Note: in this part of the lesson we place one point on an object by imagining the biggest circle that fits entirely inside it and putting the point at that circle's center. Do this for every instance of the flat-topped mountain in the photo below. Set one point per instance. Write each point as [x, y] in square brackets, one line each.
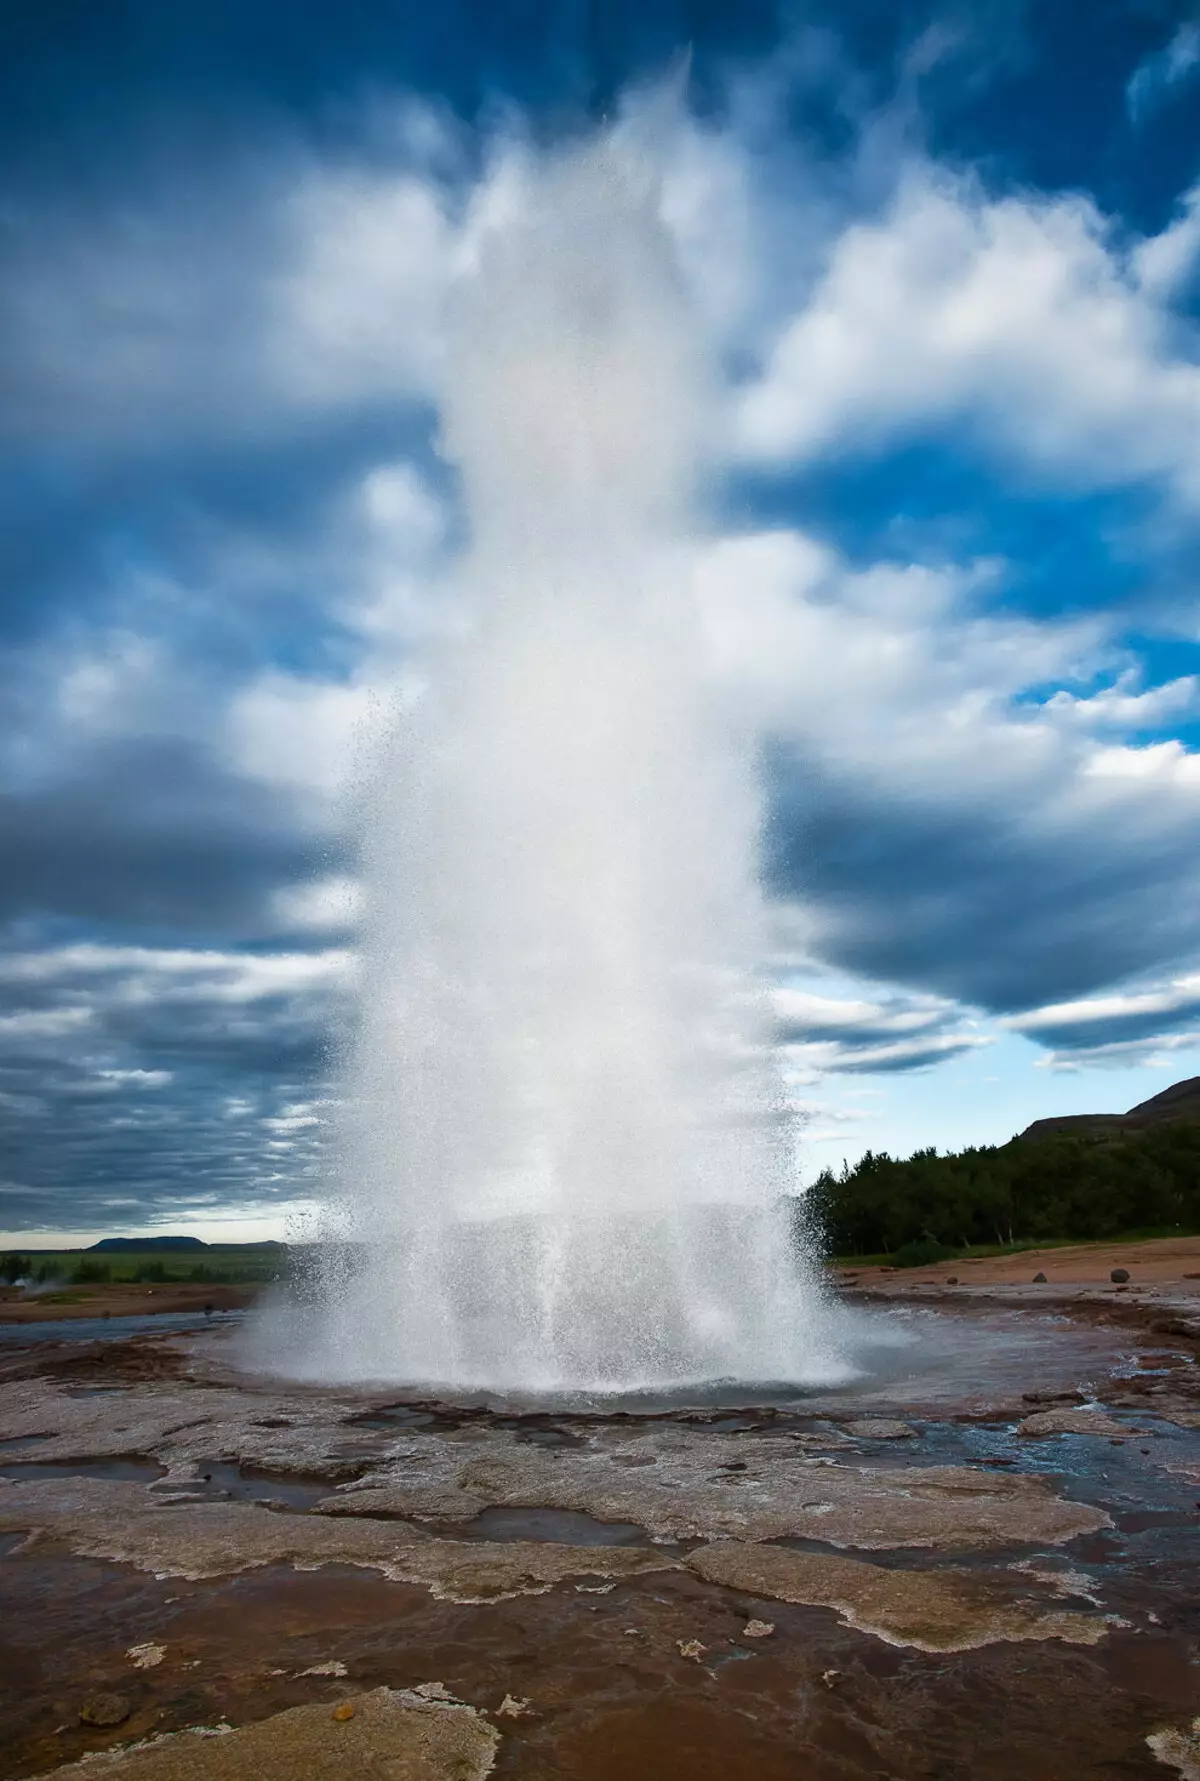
[164, 1243]
[1177, 1105]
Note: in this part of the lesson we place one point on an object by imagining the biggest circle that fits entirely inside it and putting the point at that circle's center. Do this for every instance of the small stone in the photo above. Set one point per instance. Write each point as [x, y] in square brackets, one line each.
[831, 1678]
[952, 1280]
[433, 1691]
[342, 1712]
[512, 1708]
[333, 1668]
[691, 1648]
[105, 1709]
[146, 1657]
[1119, 1276]
[1040, 1280]
[758, 1629]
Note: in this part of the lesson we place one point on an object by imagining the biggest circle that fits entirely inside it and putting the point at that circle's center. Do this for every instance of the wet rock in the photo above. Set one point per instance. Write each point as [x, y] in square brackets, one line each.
[99, 1519]
[1071, 1422]
[1179, 1749]
[758, 1629]
[678, 1497]
[386, 1735]
[879, 1428]
[1119, 1276]
[691, 1648]
[147, 1656]
[1040, 1280]
[943, 1610]
[104, 1709]
[513, 1708]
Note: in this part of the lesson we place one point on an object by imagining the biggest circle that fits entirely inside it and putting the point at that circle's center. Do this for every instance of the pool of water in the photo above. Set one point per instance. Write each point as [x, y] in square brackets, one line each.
[110, 1329]
[909, 1358]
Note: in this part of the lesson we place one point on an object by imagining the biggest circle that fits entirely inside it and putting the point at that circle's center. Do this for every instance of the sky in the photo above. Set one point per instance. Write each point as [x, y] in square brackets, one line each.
[946, 261]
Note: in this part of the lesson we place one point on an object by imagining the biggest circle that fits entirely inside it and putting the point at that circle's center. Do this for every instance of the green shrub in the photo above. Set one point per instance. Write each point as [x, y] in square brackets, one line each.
[89, 1273]
[921, 1252]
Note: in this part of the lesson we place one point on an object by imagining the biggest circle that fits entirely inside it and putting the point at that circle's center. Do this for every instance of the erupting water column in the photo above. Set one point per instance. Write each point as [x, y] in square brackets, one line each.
[568, 1145]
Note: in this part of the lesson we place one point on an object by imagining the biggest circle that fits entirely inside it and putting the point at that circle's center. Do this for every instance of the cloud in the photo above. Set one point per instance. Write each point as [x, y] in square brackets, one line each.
[1020, 319]
[147, 1084]
[822, 1034]
[1120, 1026]
[939, 827]
[1155, 80]
[328, 291]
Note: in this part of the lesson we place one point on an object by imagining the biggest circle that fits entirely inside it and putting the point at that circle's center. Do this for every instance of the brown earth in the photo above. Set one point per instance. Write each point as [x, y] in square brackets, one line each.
[122, 1299]
[1165, 1261]
[150, 1553]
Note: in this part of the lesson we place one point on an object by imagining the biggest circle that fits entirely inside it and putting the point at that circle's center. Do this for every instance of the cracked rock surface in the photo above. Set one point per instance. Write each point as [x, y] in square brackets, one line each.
[391, 1735]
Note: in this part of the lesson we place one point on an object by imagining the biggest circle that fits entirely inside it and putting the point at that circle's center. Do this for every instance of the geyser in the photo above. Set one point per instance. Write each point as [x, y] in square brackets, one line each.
[567, 1150]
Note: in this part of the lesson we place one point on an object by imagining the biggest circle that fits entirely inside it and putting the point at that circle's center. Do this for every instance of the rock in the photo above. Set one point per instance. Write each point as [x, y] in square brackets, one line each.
[831, 1678]
[1071, 1422]
[758, 1629]
[1040, 1280]
[146, 1657]
[1119, 1276]
[880, 1428]
[342, 1712]
[105, 1709]
[930, 1610]
[691, 1648]
[512, 1708]
[952, 1280]
[1179, 1749]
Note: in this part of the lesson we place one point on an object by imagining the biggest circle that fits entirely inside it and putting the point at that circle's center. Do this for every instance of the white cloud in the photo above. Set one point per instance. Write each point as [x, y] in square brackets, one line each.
[1155, 78]
[299, 732]
[1122, 706]
[1021, 316]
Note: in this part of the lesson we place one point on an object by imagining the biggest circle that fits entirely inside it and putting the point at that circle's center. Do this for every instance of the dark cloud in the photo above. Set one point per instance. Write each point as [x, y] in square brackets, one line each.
[991, 905]
[150, 834]
[140, 1084]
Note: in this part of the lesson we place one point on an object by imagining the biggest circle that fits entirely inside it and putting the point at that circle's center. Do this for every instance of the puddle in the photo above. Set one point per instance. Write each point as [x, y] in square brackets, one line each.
[563, 1527]
[18, 1443]
[110, 1329]
[127, 1471]
[392, 1416]
[244, 1484]
[540, 1434]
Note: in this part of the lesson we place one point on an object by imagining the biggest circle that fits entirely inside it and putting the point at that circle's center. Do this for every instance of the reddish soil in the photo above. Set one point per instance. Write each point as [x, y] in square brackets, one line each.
[122, 1299]
[1166, 1261]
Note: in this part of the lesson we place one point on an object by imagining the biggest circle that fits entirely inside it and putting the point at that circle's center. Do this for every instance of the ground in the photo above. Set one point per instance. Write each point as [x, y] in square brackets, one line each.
[981, 1563]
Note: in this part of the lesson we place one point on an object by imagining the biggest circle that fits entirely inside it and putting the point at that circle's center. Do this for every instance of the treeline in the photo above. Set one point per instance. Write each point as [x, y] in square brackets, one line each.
[1024, 1191]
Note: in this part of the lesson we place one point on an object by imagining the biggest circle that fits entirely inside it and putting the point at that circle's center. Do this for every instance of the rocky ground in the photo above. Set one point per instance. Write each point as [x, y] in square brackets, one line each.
[984, 1565]
[122, 1298]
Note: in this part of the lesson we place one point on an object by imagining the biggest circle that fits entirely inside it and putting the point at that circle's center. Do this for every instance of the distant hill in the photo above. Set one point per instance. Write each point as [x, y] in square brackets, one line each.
[1177, 1105]
[142, 1243]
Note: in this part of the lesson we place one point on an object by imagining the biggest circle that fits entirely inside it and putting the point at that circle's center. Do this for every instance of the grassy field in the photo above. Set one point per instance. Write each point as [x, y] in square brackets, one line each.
[228, 1264]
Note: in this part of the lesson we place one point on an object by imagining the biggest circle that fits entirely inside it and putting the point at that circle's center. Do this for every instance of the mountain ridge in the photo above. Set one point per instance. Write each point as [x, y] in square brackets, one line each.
[1177, 1105]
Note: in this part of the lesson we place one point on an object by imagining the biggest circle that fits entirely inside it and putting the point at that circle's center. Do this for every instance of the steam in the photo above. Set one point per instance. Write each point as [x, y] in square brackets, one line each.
[567, 1157]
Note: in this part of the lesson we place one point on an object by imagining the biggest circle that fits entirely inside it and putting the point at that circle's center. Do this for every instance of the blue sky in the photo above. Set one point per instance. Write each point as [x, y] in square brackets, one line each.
[948, 263]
